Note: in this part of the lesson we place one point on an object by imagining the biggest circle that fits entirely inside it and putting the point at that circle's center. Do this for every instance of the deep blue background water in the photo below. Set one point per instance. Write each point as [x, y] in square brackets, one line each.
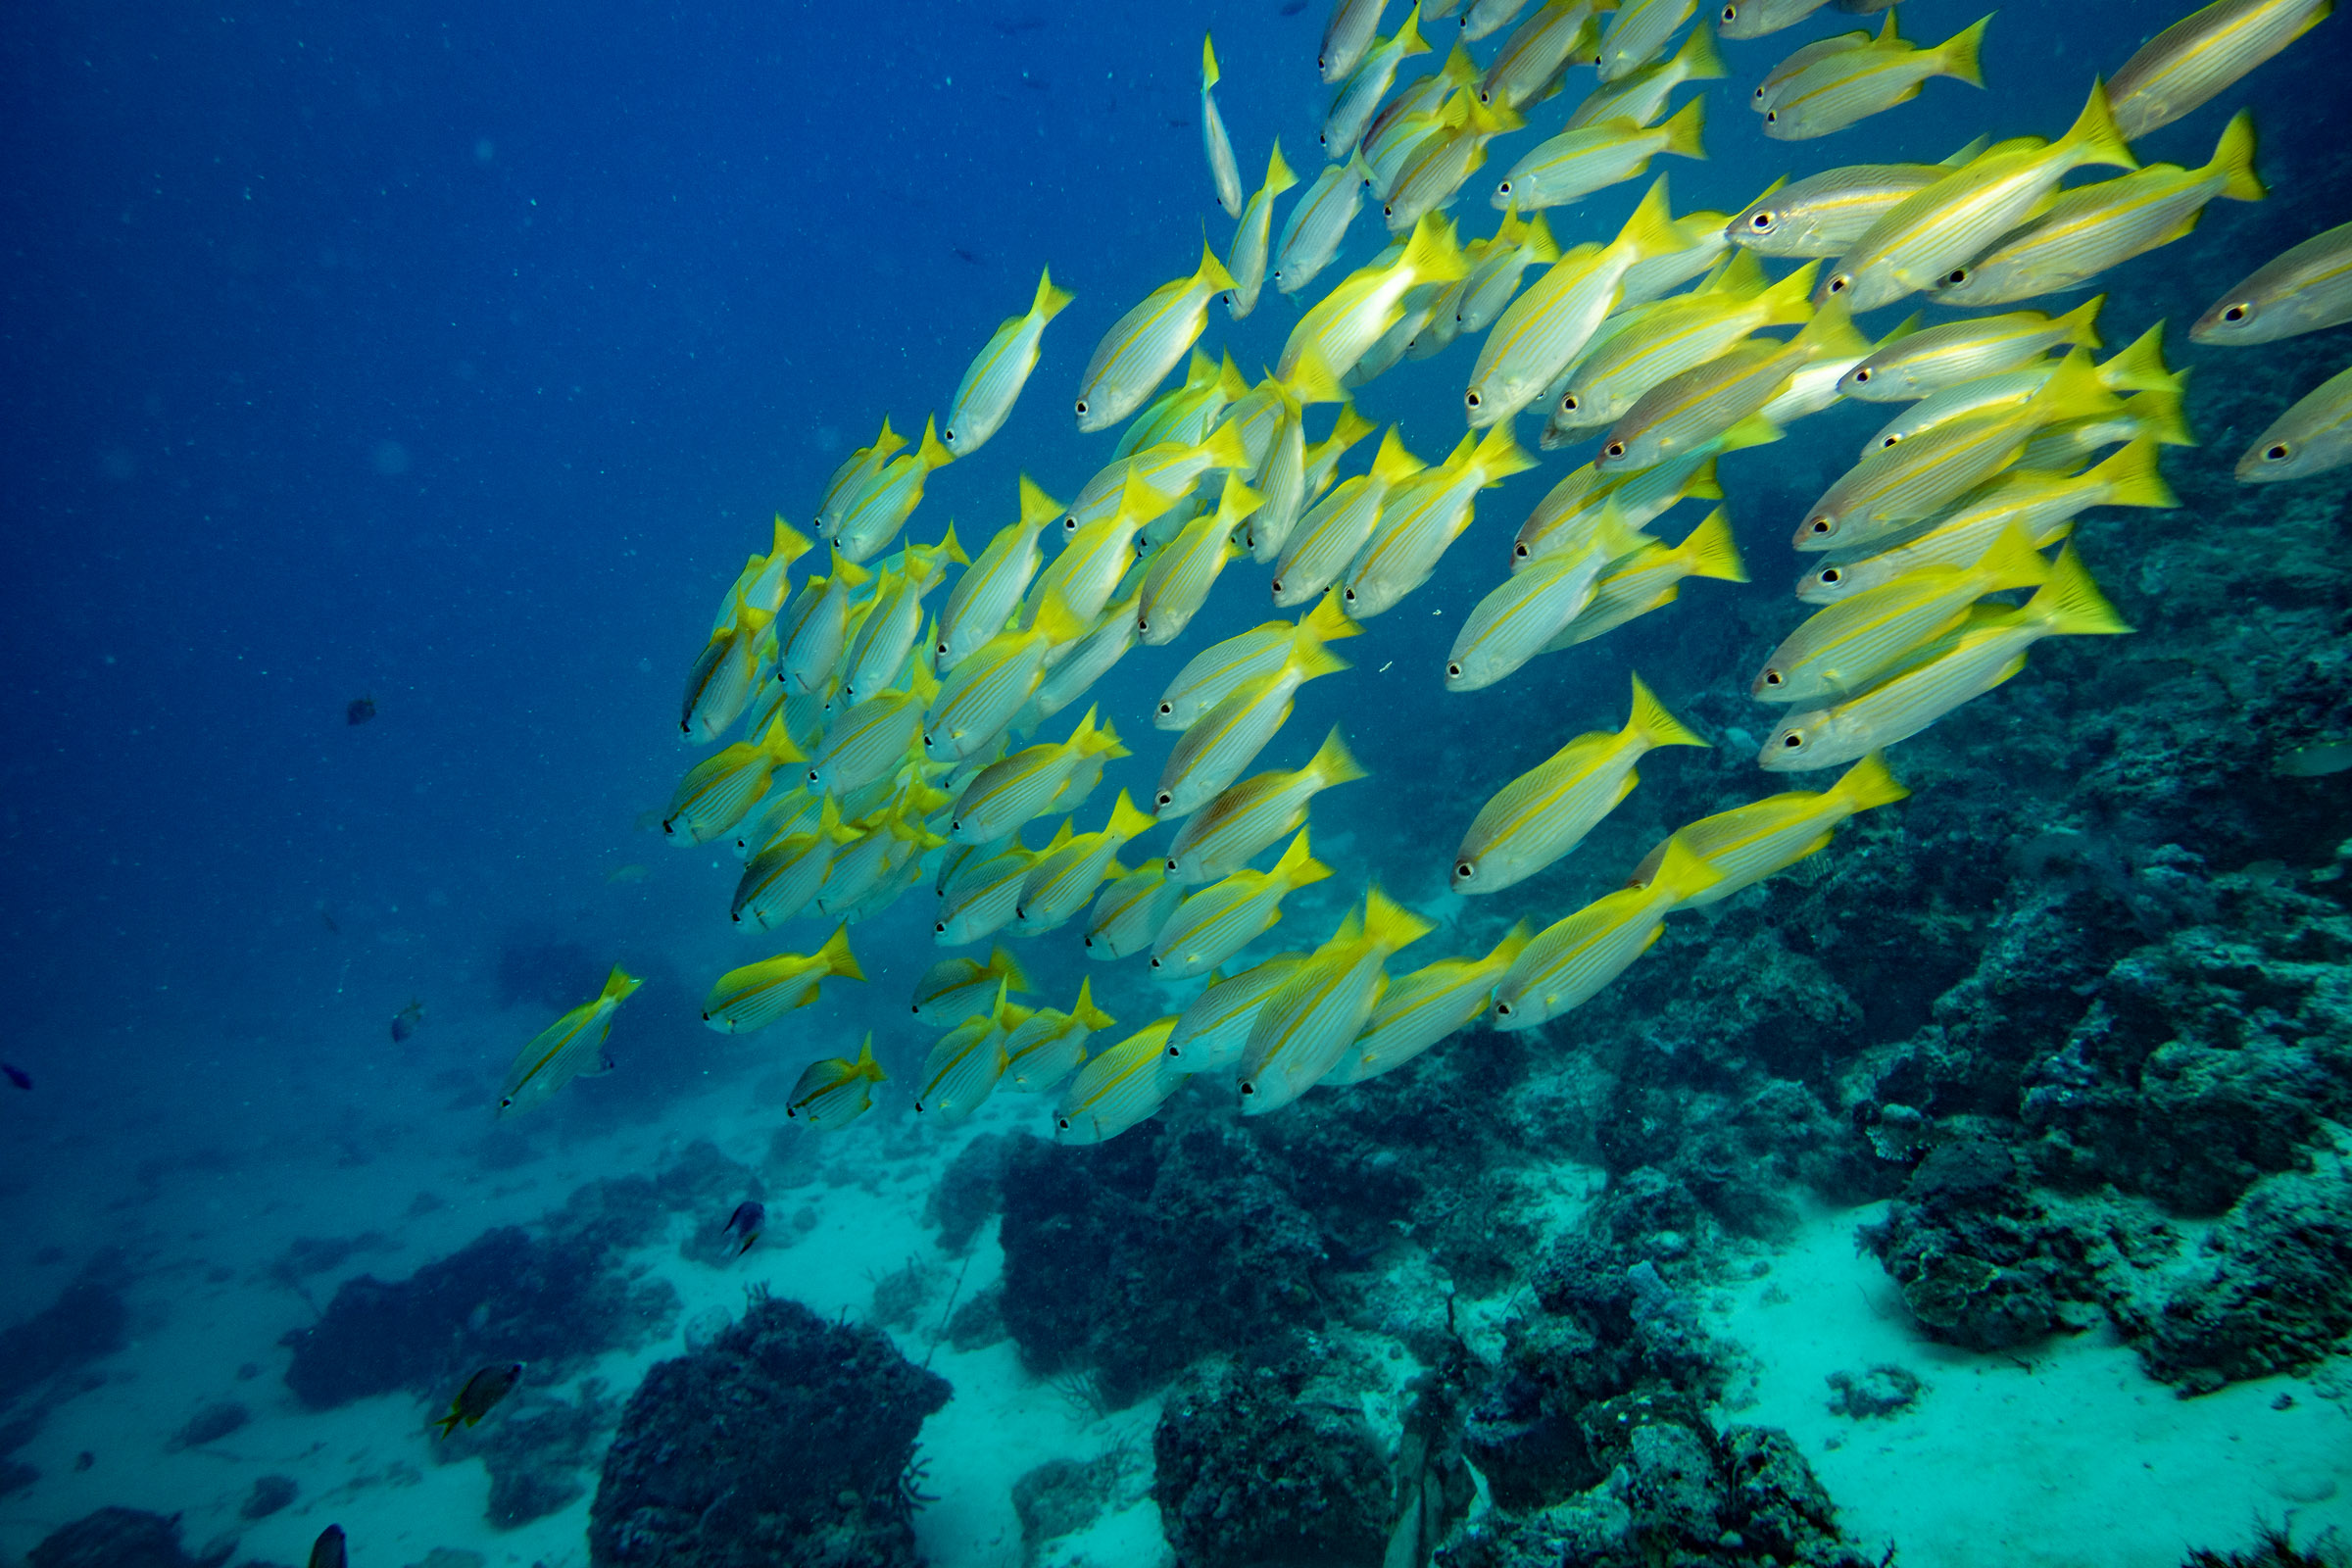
[459, 359]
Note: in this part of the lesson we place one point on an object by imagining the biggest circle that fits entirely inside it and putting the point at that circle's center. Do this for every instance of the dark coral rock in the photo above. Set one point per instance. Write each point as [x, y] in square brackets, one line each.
[968, 1195]
[783, 1444]
[2274, 1548]
[1248, 1474]
[211, 1424]
[121, 1538]
[270, 1495]
[1882, 1391]
[1062, 1496]
[536, 1453]
[1137, 1257]
[87, 1320]
[2277, 1295]
[1965, 1244]
[15, 1476]
[505, 1297]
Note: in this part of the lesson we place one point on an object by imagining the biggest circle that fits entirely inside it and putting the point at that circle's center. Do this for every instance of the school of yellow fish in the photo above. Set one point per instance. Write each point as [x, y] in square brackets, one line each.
[888, 742]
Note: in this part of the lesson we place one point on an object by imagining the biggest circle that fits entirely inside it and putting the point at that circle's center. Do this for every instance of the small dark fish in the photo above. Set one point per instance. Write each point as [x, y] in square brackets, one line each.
[962, 255]
[328, 1550]
[406, 1020]
[16, 1075]
[327, 920]
[747, 1219]
[359, 711]
[1294, 7]
[480, 1396]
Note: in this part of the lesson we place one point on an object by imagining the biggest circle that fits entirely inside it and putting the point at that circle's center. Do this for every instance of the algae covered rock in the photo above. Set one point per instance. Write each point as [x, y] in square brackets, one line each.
[784, 1443]
[2274, 1294]
[1248, 1473]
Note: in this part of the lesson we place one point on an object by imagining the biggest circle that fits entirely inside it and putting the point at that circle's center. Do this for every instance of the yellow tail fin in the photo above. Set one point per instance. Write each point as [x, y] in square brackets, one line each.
[1333, 763]
[1499, 455]
[1683, 872]
[1050, 300]
[2158, 411]
[1407, 39]
[837, 957]
[1327, 623]
[1740, 276]
[2095, 138]
[2082, 324]
[1959, 53]
[2132, 479]
[1297, 867]
[1126, 822]
[2073, 392]
[1389, 925]
[2140, 366]
[1432, 255]
[1514, 942]
[1708, 550]
[1346, 430]
[1788, 302]
[620, 985]
[1392, 463]
[2234, 161]
[1831, 334]
[1682, 130]
[1651, 231]
[1867, 784]
[1009, 970]
[1310, 380]
[1209, 74]
[1279, 176]
[865, 1065]
[1085, 1012]
[1211, 273]
[2070, 604]
[1653, 725]
[1697, 56]
[1056, 623]
[1037, 508]
[2013, 562]
[932, 454]
[1312, 661]
[1702, 484]
[1223, 448]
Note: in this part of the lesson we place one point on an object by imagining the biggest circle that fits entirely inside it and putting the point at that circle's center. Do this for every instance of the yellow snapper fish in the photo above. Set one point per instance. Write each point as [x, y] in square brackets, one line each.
[1265, 523]
[1326, 539]
[1852, 84]
[1570, 961]
[978, 901]
[1221, 668]
[1419, 1009]
[835, 1092]
[891, 838]
[763, 578]
[759, 993]
[2305, 288]
[1118, 1088]
[1576, 163]
[1826, 213]
[1757, 19]
[1529, 63]
[720, 686]
[2138, 368]
[1516, 245]
[1085, 661]
[1212, 1033]
[877, 515]
[1641, 96]
[572, 1046]
[1047, 1046]
[1143, 346]
[1764, 838]
[1571, 508]
[1246, 260]
[1908, 482]
[993, 384]
[879, 651]
[1348, 320]
[812, 645]
[1348, 35]
[1720, 404]
[1066, 875]
[1768, 92]
[1306, 1027]
[1435, 169]
[1423, 517]
[991, 589]
[1651, 577]
[1939, 226]
[1522, 614]
[2312, 437]
[1841, 648]
[1983, 655]
[1217, 922]
[1318, 223]
[2155, 413]
[1223, 171]
[961, 1068]
[1352, 108]
[1546, 327]
[1485, 17]
[1638, 33]
[2042, 505]
[851, 479]
[2088, 229]
[1172, 470]
[718, 789]
[1128, 913]
[1181, 575]
[1420, 100]
[956, 989]
[1944, 356]
[1245, 819]
[780, 880]
[1546, 812]
[1212, 752]
[1674, 335]
[1323, 457]
[872, 739]
[1086, 575]
[1032, 782]
[978, 700]
[1397, 135]
[2202, 54]
[1184, 414]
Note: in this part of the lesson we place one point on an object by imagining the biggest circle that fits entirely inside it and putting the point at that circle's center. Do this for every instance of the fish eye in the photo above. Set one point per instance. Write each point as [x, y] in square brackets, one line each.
[2279, 453]
[1069, 525]
[917, 1009]
[1465, 869]
[1615, 449]
[1837, 285]
[1454, 672]
[1730, 13]
[1794, 740]
[1166, 709]
[505, 1100]
[1485, 96]
[1348, 595]
[939, 928]
[1163, 797]
[1831, 576]
[949, 436]
[1472, 397]
[1521, 552]
[1772, 116]
[1773, 677]
[1861, 376]
[1278, 585]
[941, 650]
[1063, 1122]
[1502, 1009]
[1388, 209]
[1249, 1087]
[1172, 863]
[813, 775]
[1955, 277]
[1818, 525]
[1082, 408]
[1090, 942]
[1503, 189]
[1886, 441]
[2236, 312]
[1570, 403]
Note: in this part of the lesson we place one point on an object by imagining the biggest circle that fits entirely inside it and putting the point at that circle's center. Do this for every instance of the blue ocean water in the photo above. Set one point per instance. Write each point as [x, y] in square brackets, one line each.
[456, 361]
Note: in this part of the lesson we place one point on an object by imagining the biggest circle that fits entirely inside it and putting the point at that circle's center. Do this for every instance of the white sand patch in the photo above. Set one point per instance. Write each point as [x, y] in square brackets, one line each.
[2064, 1455]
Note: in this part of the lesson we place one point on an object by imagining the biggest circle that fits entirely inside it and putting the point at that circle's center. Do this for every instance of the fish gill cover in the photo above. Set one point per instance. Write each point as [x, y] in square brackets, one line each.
[2044, 956]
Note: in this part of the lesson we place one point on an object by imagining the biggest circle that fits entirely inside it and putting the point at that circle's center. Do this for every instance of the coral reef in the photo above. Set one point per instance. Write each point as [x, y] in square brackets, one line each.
[786, 1441]
[1250, 1472]
[123, 1537]
[1063, 1496]
[270, 1495]
[2274, 1548]
[971, 1192]
[88, 1319]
